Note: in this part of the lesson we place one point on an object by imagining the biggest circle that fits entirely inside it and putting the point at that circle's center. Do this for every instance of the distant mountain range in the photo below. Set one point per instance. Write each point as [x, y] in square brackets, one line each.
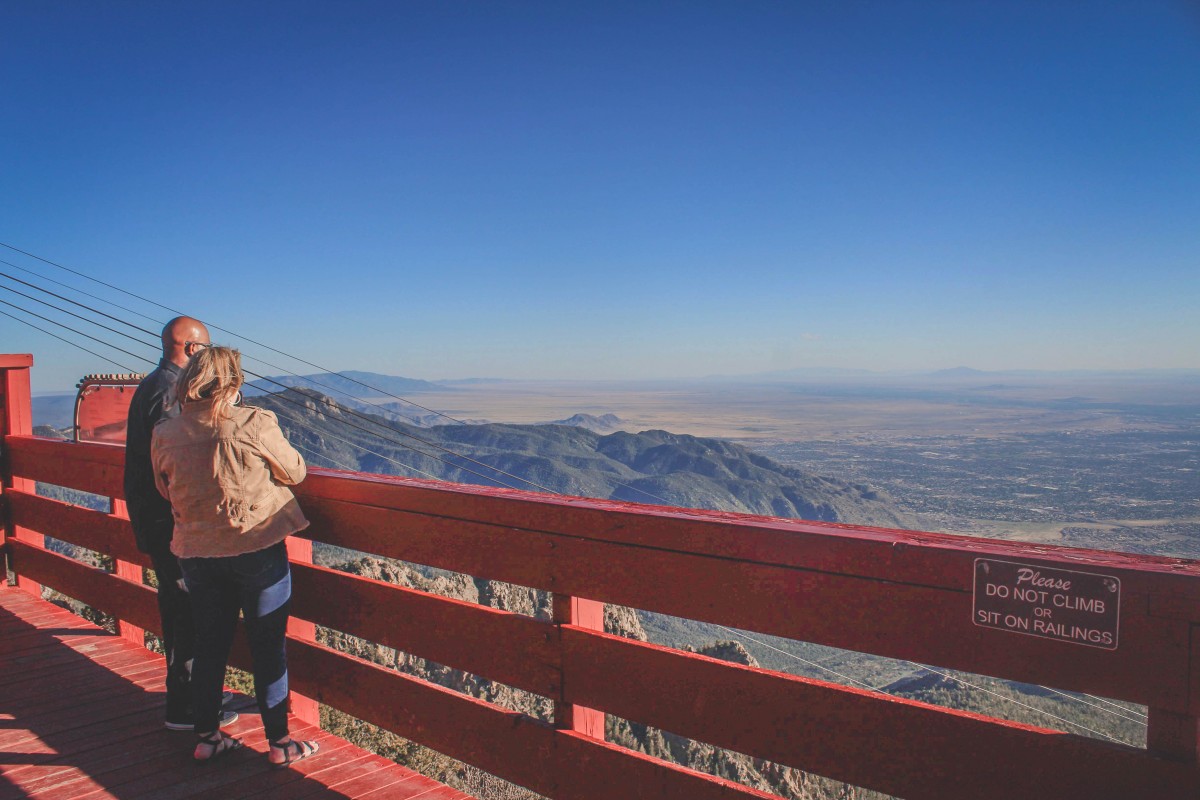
[55, 410]
[954, 373]
[653, 467]
[605, 423]
[362, 385]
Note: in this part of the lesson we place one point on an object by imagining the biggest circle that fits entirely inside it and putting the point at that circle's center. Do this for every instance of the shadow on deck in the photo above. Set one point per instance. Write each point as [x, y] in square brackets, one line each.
[81, 716]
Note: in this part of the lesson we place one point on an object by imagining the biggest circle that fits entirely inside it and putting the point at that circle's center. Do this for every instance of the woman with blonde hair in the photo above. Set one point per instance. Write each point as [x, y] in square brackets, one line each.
[225, 468]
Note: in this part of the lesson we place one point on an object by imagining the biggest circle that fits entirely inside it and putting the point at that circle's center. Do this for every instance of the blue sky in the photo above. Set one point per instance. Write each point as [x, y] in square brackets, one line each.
[618, 190]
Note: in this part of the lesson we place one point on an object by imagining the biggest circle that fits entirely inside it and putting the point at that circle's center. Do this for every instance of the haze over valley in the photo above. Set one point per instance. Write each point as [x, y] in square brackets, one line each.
[1091, 459]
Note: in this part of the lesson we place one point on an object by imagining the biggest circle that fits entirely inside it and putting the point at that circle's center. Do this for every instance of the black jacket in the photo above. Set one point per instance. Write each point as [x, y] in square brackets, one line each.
[149, 512]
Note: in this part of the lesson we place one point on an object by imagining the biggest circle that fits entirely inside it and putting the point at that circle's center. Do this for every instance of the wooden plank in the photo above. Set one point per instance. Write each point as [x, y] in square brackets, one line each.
[147, 775]
[919, 557]
[419, 786]
[350, 774]
[904, 556]
[26, 639]
[92, 762]
[58, 644]
[827, 729]
[441, 793]
[371, 777]
[148, 719]
[334, 755]
[95, 468]
[918, 623]
[15, 360]
[510, 648]
[325, 771]
[31, 664]
[95, 530]
[558, 764]
[64, 714]
[479, 549]
[121, 598]
[926, 625]
[36, 669]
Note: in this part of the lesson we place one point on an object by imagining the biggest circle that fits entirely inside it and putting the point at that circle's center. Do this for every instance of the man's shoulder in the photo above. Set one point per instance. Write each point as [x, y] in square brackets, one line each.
[164, 376]
[152, 390]
[149, 385]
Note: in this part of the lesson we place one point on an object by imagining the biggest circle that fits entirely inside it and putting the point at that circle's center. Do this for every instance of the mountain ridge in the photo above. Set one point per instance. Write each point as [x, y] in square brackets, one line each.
[654, 466]
[352, 383]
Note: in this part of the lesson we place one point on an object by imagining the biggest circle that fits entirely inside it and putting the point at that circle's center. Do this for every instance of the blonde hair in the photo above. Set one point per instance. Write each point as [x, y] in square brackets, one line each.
[213, 373]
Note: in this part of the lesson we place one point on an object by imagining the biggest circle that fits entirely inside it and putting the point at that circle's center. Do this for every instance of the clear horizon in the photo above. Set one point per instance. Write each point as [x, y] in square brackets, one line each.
[626, 191]
[817, 374]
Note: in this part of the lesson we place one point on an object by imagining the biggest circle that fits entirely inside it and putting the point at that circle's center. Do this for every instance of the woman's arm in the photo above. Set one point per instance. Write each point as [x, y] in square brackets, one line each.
[160, 477]
[286, 463]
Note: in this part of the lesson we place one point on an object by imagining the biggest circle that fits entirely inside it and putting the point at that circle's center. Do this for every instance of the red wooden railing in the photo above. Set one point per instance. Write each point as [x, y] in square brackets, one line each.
[894, 593]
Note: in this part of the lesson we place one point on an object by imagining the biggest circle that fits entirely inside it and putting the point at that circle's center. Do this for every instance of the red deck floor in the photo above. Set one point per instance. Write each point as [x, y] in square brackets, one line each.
[81, 717]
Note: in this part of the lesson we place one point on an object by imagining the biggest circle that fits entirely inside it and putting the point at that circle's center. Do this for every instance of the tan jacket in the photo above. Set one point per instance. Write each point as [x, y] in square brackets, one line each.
[227, 484]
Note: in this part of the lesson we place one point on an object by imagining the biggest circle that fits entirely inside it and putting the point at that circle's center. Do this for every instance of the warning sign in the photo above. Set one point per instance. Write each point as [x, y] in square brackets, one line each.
[1076, 607]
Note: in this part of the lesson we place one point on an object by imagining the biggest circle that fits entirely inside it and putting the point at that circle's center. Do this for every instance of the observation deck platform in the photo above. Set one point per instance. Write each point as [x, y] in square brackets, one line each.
[81, 715]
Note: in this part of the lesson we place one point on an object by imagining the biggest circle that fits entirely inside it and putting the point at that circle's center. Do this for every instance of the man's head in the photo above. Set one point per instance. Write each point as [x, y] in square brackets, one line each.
[215, 374]
[181, 338]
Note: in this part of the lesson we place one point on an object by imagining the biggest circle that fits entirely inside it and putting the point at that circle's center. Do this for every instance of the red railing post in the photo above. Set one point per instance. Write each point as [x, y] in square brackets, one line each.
[588, 614]
[129, 571]
[304, 708]
[16, 418]
[1173, 735]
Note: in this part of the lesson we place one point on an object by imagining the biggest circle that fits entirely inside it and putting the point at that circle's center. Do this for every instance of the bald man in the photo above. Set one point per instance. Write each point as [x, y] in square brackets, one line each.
[150, 514]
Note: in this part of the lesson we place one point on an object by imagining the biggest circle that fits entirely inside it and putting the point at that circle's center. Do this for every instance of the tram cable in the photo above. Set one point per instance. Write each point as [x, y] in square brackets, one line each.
[743, 637]
[1120, 706]
[282, 396]
[73, 302]
[77, 290]
[306, 378]
[76, 331]
[300, 422]
[956, 679]
[283, 387]
[68, 341]
[71, 313]
[313, 454]
[1097, 706]
[177, 312]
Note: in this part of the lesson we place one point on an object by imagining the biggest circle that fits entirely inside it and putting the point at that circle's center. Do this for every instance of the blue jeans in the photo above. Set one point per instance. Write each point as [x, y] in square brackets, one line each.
[259, 584]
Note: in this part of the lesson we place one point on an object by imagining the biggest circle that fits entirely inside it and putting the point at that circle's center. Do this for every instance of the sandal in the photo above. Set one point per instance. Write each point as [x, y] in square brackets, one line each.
[293, 751]
[218, 744]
